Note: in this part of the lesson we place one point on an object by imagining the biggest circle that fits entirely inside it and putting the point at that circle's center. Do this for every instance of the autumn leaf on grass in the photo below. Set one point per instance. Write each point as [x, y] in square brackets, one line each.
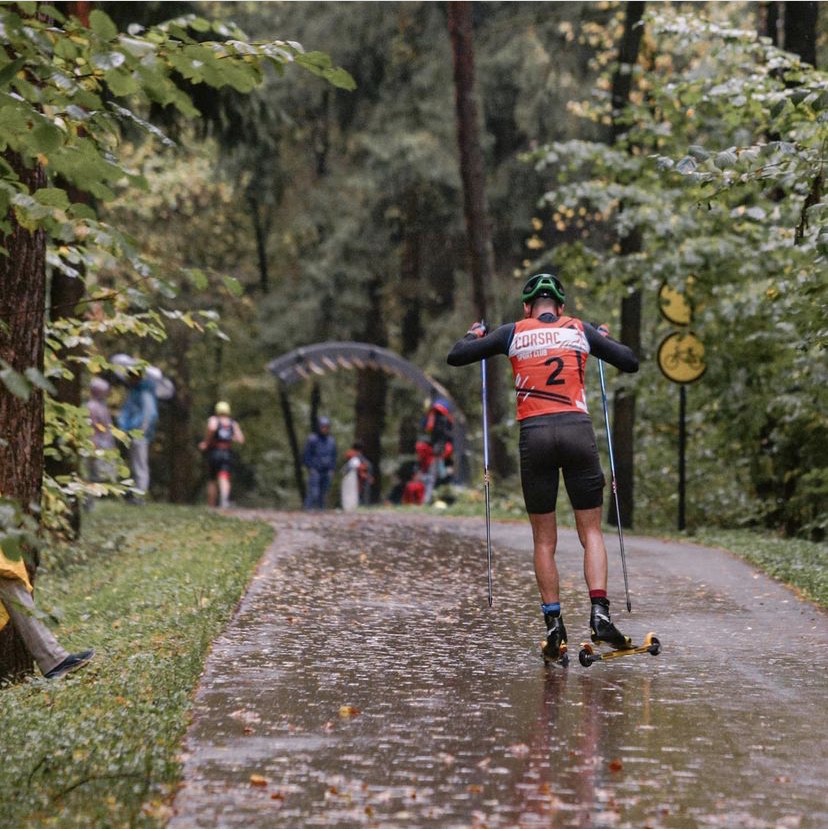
[616, 765]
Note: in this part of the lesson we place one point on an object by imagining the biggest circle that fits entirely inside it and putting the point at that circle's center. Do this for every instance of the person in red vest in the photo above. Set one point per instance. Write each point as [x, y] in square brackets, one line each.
[548, 351]
[434, 447]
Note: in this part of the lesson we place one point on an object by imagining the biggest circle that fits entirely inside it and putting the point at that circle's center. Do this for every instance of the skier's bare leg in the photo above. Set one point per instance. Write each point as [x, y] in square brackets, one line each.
[588, 523]
[545, 539]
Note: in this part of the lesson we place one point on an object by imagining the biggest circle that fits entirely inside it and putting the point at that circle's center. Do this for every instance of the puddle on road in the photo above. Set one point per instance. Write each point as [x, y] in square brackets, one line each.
[386, 693]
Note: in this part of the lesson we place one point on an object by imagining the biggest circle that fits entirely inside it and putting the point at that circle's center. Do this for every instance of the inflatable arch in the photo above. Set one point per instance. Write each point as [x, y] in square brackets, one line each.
[322, 358]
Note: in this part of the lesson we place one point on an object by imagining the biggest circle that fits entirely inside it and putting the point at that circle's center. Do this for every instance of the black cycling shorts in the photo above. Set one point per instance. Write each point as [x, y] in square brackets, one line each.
[565, 441]
[219, 460]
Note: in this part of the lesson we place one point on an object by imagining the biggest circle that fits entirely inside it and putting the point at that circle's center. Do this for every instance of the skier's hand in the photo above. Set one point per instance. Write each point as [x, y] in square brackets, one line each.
[477, 329]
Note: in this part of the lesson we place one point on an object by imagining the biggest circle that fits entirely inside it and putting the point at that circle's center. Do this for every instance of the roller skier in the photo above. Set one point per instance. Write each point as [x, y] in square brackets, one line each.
[548, 352]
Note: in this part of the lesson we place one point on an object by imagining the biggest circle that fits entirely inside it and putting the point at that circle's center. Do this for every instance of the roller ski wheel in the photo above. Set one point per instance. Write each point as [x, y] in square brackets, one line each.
[561, 659]
[589, 654]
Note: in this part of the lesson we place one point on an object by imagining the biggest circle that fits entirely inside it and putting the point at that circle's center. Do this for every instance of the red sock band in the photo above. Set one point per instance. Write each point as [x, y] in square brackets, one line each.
[596, 594]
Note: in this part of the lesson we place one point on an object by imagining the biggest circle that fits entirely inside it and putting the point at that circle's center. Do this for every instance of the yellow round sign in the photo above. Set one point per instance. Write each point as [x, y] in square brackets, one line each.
[681, 357]
[674, 305]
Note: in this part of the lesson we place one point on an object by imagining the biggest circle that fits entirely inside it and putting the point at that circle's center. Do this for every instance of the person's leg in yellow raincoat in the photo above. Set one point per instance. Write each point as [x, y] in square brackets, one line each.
[16, 603]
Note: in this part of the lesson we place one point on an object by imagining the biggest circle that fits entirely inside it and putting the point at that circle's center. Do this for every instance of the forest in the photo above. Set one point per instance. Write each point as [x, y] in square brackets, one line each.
[209, 186]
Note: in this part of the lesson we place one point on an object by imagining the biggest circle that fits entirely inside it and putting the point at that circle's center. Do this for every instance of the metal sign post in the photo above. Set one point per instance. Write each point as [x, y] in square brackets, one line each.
[681, 360]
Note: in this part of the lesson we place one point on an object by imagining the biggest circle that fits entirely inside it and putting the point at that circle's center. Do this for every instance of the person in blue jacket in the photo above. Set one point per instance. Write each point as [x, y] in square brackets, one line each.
[319, 457]
[139, 413]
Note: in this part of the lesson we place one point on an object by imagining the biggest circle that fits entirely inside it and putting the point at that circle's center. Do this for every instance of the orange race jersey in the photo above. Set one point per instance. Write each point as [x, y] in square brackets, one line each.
[548, 360]
[548, 355]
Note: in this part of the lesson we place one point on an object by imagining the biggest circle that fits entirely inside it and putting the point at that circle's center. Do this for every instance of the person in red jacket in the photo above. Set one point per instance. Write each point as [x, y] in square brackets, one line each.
[548, 351]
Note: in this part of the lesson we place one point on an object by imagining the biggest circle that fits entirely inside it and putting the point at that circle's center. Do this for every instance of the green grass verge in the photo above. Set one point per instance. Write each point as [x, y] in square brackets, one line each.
[149, 588]
[799, 563]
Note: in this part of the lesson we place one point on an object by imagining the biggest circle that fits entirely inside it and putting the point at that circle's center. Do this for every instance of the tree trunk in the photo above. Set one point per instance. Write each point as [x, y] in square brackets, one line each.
[372, 388]
[411, 329]
[627, 58]
[476, 209]
[769, 21]
[801, 30]
[623, 425]
[182, 459]
[260, 230]
[22, 303]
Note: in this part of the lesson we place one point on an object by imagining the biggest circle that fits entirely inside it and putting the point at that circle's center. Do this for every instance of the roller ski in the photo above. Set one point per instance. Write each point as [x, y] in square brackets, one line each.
[554, 648]
[604, 631]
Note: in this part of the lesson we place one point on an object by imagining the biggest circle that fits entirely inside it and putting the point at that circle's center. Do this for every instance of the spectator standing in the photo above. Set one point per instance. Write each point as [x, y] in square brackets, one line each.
[139, 416]
[434, 447]
[100, 417]
[319, 457]
[356, 461]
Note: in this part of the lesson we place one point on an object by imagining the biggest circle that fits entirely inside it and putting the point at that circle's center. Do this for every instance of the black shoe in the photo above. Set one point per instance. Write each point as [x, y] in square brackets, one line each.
[602, 627]
[70, 664]
[554, 647]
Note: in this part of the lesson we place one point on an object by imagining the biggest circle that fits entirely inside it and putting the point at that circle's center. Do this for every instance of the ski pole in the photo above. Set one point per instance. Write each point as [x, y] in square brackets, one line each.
[614, 483]
[486, 476]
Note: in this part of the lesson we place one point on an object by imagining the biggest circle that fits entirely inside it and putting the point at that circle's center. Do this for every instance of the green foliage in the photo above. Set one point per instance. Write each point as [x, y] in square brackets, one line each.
[67, 96]
[725, 188]
[101, 748]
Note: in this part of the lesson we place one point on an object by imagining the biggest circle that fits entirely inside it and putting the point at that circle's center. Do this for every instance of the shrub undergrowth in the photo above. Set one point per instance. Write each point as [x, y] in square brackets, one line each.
[149, 588]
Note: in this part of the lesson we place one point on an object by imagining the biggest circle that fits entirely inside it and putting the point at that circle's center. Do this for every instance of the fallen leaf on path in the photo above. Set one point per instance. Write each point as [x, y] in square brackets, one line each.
[348, 711]
[257, 780]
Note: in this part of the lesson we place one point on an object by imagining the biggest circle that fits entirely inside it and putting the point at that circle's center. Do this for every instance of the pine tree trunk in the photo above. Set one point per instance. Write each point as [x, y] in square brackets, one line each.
[623, 426]
[476, 209]
[801, 30]
[22, 303]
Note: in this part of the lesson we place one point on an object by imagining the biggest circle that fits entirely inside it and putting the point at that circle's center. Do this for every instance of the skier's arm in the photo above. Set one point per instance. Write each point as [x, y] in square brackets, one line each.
[473, 348]
[606, 349]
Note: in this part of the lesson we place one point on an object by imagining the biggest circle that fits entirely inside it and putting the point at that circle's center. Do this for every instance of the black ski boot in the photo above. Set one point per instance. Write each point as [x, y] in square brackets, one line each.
[554, 647]
[602, 627]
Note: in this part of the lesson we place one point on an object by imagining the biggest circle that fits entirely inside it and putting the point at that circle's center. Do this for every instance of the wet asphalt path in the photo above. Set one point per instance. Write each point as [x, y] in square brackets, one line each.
[365, 682]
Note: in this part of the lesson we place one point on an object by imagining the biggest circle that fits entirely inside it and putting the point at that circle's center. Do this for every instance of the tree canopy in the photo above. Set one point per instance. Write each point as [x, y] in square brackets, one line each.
[333, 211]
